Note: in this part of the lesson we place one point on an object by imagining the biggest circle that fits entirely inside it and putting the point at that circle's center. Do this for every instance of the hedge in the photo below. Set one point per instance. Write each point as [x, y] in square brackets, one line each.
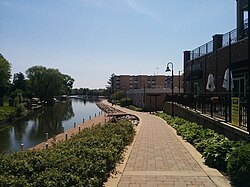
[87, 159]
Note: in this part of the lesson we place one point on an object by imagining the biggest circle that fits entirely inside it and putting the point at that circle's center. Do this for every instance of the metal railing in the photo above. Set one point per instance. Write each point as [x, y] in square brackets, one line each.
[215, 105]
[236, 35]
[225, 38]
[202, 50]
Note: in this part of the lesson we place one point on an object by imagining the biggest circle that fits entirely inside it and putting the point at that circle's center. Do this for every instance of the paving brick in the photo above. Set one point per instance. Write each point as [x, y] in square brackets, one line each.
[160, 158]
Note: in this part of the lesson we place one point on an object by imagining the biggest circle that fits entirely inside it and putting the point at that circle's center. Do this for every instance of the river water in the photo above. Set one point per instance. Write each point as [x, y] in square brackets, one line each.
[51, 120]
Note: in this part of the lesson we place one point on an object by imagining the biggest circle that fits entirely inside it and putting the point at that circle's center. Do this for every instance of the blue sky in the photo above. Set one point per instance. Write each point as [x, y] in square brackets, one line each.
[91, 39]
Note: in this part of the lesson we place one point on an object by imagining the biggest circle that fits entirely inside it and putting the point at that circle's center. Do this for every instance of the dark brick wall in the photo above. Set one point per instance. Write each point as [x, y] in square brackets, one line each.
[216, 63]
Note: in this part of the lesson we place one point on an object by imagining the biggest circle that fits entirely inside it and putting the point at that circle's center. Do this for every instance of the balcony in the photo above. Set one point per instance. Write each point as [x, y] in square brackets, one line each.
[235, 35]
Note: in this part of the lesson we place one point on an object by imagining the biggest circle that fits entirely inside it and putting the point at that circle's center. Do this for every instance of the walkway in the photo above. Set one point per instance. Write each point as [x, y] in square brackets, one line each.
[158, 157]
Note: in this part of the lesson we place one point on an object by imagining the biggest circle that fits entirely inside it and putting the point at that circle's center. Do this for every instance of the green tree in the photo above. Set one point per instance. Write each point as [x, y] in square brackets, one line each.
[5, 74]
[118, 95]
[19, 82]
[67, 84]
[47, 83]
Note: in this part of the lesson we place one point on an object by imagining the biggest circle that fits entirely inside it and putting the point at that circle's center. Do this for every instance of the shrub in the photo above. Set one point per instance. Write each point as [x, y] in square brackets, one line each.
[238, 166]
[209, 139]
[6, 112]
[132, 107]
[20, 109]
[85, 160]
[215, 154]
[217, 150]
[125, 102]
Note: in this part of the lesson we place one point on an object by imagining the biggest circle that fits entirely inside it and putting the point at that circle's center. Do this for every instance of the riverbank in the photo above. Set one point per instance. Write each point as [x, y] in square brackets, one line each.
[108, 113]
[101, 119]
[28, 113]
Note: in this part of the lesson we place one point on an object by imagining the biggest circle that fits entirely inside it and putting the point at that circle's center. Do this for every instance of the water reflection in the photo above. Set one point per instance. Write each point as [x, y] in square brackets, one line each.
[32, 131]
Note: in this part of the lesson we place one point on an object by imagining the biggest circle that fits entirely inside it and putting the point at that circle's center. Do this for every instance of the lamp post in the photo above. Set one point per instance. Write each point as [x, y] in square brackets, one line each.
[167, 70]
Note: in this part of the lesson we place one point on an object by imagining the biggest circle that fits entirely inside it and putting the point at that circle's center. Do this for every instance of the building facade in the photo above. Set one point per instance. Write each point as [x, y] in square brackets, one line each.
[133, 82]
[147, 91]
[224, 51]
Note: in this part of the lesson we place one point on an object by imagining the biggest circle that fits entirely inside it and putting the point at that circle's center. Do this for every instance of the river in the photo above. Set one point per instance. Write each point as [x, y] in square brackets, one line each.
[52, 120]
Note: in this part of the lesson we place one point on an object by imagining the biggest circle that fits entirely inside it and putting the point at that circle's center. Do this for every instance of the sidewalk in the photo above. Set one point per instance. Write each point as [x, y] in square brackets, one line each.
[158, 157]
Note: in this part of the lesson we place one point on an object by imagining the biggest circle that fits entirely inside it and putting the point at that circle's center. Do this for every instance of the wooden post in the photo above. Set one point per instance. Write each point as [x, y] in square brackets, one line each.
[47, 136]
[21, 147]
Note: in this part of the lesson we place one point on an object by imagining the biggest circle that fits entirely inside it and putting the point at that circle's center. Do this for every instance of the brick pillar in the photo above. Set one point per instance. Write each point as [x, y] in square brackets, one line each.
[186, 59]
[217, 41]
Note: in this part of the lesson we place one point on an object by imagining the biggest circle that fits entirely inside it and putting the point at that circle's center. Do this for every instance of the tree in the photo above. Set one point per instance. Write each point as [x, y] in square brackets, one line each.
[110, 85]
[5, 74]
[47, 83]
[67, 84]
[19, 82]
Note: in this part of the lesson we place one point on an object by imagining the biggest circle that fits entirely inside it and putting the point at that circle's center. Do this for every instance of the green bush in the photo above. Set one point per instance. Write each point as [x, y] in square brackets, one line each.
[6, 112]
[217, 150]
[239, 165]
[215, 154]
[209, 139]
[20, 110]
[138, 109]
[85, 160]
[125, 102]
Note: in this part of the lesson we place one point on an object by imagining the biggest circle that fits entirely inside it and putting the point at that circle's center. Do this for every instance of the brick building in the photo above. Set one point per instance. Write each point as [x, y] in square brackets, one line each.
[147, 91]
[229, 50]
[133, 82]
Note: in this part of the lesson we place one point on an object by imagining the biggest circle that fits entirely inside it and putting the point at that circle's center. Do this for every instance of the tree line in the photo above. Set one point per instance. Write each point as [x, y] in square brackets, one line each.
[90, 92]
[41, 82]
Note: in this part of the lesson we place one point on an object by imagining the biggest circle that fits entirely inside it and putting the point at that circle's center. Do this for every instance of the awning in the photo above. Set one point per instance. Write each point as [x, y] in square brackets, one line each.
[194, 75]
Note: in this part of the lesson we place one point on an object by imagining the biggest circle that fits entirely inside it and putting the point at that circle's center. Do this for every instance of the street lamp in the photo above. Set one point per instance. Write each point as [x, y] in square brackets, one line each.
[167, 70]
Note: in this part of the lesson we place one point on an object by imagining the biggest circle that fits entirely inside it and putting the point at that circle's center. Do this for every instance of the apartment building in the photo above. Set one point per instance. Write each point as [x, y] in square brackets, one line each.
[133, 82]
[147, 91]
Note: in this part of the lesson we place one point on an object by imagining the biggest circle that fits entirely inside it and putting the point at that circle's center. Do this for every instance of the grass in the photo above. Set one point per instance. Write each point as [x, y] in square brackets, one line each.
[132, 107]
[6, 111]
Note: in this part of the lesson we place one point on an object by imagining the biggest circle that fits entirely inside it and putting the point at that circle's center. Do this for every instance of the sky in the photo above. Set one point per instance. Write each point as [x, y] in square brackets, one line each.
[92, 39]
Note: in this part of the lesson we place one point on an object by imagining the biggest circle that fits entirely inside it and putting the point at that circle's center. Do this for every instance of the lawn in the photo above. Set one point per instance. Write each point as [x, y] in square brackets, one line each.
[6, 111]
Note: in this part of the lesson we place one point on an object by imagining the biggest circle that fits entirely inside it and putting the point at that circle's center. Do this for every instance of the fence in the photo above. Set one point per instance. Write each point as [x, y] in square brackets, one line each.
[214, 104]
[235, 35]
[202, 50]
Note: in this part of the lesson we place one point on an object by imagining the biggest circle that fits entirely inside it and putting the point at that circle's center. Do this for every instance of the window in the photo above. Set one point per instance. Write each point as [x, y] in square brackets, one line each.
[196, 66]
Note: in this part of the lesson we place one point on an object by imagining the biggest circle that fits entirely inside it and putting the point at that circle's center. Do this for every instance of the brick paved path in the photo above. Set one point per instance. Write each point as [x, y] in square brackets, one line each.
[159, 157]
